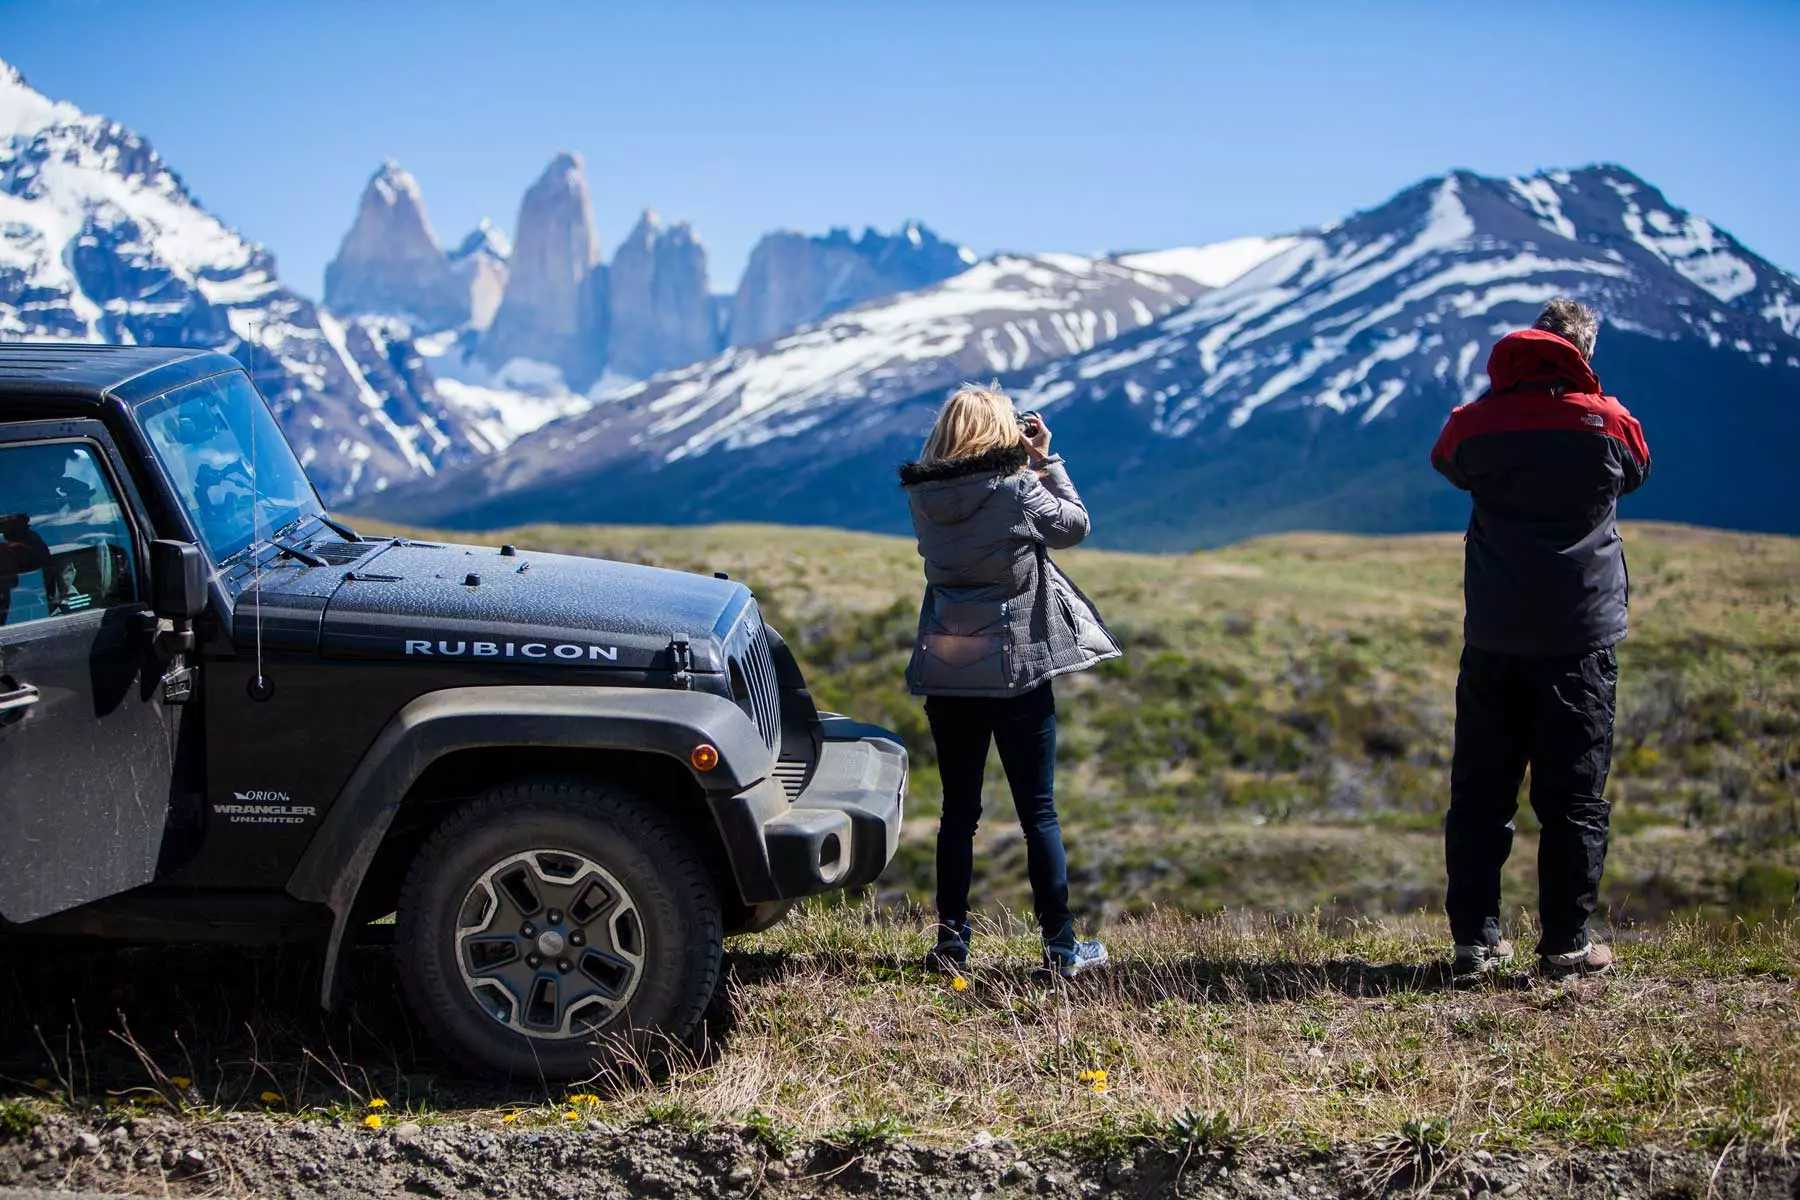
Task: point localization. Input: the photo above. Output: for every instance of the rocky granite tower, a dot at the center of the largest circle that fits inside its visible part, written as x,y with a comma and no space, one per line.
390,261
548,312
661,313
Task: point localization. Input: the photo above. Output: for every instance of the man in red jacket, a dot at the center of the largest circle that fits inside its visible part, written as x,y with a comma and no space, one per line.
1545,456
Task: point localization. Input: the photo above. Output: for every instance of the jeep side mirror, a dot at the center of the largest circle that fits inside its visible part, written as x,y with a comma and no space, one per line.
177,580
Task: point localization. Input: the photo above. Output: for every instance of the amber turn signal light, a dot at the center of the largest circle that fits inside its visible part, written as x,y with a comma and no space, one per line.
705,757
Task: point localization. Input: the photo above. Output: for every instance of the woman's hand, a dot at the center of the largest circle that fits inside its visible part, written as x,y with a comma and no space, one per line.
1036,436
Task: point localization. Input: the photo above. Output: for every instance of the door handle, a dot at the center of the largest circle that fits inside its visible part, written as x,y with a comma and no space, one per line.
21,697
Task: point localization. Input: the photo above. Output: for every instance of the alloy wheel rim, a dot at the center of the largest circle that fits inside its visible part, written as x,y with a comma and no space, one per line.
549,944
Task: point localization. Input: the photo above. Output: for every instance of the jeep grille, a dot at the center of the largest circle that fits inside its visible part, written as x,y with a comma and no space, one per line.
753,677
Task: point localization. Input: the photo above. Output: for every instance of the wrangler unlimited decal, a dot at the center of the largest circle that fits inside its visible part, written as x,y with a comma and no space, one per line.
567,651
265,808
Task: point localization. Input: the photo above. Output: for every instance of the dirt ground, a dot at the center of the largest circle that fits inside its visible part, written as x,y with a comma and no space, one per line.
262,1156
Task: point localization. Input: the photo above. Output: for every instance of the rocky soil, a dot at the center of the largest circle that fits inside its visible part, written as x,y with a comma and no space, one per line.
250,1155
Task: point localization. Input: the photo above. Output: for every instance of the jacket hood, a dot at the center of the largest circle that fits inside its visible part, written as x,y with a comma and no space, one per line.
951,490
1532,356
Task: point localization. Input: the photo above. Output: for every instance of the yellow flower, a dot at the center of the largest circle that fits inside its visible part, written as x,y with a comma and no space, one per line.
584,1098
372,1121
181,1081
378,1103
571,1115
271,1097
1100,1087
959,984
509,1118
1092,1077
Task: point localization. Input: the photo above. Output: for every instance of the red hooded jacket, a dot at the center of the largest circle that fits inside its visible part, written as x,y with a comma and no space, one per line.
1546,456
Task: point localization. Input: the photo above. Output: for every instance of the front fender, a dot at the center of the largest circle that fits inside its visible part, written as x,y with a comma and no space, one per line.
438,723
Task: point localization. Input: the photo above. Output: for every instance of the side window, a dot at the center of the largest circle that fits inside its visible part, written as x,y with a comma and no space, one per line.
65,546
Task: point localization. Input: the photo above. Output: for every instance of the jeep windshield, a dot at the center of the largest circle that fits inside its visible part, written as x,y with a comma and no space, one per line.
229,462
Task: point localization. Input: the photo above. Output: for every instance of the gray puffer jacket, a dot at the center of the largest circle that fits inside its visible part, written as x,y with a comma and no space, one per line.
998,618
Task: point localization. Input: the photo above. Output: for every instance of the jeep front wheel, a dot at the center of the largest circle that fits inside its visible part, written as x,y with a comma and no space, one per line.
549,916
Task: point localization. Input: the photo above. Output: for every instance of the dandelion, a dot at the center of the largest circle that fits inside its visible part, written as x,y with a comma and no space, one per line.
1092,1077
271,1097
1100,1088
509,1118
378,1103
181,1081
959,984
571,1115
373,1121
584,1098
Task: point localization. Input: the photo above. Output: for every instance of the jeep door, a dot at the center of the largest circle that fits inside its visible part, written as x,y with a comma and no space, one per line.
85,743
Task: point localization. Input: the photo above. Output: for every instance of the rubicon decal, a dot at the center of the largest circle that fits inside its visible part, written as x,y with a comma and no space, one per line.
565,651
264,808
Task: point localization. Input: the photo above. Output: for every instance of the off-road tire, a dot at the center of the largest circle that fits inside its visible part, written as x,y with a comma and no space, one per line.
619,830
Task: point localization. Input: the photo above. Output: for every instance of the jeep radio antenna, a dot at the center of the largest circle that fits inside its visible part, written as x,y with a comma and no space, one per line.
260,688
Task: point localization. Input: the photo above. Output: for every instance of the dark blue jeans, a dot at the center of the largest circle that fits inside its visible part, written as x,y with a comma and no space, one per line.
1024,728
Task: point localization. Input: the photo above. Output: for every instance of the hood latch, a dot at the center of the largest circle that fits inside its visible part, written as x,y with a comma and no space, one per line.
681,657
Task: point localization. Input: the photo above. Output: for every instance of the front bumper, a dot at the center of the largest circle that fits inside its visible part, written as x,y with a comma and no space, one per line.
840,831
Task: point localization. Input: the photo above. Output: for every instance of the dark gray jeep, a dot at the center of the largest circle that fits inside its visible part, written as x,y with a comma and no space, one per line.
225,715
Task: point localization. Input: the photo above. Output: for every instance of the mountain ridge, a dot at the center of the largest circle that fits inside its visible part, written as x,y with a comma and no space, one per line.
1301,393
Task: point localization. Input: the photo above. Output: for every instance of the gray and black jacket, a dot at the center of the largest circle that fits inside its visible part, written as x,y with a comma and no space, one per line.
998,617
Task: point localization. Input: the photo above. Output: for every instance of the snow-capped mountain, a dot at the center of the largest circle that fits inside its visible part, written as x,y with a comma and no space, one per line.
1305,392
1302,391
100,241
725,436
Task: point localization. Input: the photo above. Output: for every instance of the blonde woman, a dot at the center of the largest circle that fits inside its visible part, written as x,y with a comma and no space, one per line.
998,622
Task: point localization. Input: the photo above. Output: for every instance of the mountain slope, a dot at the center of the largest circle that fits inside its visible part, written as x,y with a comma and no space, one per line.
101,241
762,432
1305,393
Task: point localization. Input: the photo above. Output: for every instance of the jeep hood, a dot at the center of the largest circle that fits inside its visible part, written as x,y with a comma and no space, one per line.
424,602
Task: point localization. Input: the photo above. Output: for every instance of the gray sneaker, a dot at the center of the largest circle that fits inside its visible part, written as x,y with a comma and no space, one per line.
1071,959
1592,959
1473,962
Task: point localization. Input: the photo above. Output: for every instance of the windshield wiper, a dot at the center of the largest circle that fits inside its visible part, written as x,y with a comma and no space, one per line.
311,560
341,529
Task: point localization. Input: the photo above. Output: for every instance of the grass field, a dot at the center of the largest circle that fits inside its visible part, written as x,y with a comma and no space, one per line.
1277,735
1248,1056
1252,797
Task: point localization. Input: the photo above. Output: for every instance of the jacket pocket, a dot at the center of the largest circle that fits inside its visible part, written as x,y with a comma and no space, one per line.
966,618
961,662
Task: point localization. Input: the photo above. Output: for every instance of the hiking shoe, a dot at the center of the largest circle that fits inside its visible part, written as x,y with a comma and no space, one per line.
1070,959
1591,959
951,954
1473,962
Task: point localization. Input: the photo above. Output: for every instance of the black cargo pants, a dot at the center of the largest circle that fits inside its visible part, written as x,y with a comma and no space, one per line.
1555,714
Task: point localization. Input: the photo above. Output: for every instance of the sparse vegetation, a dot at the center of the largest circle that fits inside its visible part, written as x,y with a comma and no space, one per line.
1277,735
1253,797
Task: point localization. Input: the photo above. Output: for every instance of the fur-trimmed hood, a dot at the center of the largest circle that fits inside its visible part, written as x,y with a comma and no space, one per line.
1007,460
951,491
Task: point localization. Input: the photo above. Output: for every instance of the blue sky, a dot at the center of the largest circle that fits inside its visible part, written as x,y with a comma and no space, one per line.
1039,126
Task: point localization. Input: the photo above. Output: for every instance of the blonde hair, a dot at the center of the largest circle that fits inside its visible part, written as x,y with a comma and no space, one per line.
973,421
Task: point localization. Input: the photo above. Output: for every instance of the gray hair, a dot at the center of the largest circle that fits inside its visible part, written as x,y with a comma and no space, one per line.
1572,321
